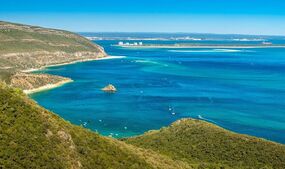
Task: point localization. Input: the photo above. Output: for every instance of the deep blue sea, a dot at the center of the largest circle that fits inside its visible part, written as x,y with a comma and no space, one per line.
242,90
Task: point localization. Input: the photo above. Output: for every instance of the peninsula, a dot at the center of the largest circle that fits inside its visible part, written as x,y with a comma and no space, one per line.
25,48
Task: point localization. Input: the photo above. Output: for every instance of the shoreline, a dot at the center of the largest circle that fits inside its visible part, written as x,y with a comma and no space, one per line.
47,87
63,82
198,47
71,62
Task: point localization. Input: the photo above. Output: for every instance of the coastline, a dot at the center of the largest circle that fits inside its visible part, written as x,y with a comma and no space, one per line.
58,84
72,62
47,87
198,47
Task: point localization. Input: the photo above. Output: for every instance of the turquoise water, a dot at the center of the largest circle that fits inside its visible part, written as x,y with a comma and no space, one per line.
242,90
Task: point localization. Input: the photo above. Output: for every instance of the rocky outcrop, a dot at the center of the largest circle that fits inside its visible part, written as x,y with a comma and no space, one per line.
109,88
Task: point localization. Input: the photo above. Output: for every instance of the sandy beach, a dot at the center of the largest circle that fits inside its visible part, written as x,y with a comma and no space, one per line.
51,86
47,87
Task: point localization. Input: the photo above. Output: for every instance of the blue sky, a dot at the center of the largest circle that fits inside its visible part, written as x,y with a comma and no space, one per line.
196,16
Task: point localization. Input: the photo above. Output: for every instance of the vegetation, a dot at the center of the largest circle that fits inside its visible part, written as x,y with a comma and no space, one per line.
32,137
25,47
25,38
202,143
29,81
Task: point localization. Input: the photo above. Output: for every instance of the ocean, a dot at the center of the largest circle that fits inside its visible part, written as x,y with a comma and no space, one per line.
242,90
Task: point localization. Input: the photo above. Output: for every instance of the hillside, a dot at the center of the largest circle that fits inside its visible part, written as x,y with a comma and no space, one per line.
24,47
32,137
195,141
37,82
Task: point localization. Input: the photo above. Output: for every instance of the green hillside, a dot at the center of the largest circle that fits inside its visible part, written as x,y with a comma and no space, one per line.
195,141
32,137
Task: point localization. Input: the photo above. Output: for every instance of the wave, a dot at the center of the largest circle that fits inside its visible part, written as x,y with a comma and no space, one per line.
112,57
206,51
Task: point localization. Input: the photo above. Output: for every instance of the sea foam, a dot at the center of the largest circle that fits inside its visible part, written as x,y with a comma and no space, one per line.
112,57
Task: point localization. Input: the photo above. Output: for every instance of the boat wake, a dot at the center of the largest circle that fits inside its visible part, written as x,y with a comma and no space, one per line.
205,119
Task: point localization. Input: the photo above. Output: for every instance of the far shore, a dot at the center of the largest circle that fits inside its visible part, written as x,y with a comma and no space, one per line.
47,87
201,46
71,62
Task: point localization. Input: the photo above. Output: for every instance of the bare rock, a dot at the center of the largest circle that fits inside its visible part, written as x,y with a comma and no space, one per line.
109,88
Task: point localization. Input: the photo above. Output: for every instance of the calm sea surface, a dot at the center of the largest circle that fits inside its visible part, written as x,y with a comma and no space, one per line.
242,90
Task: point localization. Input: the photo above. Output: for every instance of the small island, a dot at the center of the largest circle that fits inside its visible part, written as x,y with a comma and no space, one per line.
109,88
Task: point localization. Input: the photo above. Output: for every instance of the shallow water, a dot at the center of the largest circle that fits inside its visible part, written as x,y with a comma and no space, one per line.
239,89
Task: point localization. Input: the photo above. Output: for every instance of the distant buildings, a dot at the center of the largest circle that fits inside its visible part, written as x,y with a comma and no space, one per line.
130,44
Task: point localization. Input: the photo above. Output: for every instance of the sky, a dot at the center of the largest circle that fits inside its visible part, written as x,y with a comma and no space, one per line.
258,17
